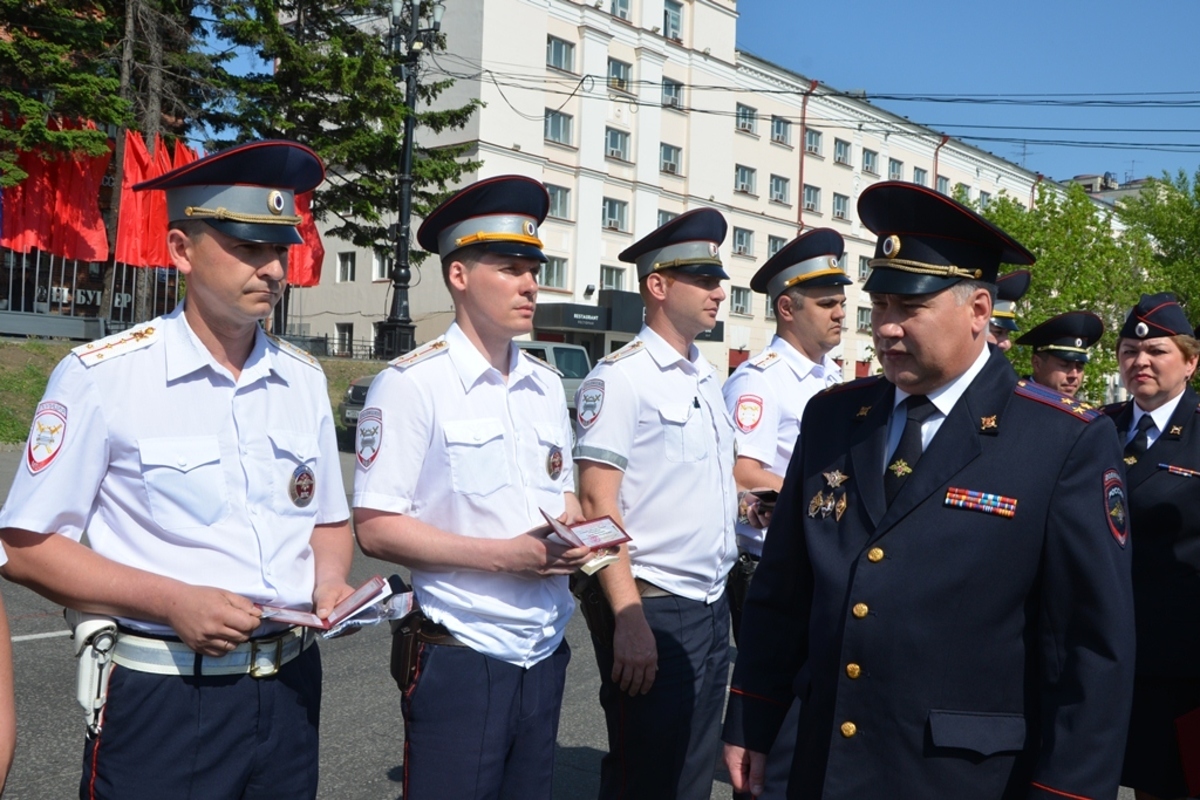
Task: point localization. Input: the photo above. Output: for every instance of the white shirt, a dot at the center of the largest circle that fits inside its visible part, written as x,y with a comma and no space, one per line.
943,399
459,448
660,418
766,396
1160,415
174,467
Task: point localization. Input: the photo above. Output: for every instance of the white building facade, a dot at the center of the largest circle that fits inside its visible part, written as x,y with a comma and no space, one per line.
632,111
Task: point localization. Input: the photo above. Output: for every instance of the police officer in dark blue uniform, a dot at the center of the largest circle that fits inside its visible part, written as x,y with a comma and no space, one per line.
945,583
1010,288
1060,349
1160,428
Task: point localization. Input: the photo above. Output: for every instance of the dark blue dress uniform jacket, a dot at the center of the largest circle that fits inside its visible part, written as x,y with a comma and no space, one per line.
944,652
1165,519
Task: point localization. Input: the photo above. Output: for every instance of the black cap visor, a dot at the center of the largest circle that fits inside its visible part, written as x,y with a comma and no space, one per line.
1005,323
248,232
706,270
893,281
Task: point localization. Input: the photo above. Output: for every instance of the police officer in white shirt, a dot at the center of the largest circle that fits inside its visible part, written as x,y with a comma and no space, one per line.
655,446
199,455
461,446
766,397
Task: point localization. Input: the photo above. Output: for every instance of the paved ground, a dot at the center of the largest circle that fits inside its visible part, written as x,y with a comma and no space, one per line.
361,730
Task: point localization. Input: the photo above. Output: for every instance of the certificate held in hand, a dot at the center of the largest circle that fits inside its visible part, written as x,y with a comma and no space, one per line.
602,536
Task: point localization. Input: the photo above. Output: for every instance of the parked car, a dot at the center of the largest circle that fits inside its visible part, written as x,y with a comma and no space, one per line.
569,359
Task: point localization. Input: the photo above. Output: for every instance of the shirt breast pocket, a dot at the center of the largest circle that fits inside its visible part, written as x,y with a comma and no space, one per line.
184,481
478,457
293,473
683,433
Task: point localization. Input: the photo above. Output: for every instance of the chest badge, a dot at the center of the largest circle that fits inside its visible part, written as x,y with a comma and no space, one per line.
814,505
840,507
835,478
862,412
554,462
303,486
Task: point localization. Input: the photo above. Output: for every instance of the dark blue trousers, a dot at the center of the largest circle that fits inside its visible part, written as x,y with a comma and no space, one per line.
477,728
666,743
225,738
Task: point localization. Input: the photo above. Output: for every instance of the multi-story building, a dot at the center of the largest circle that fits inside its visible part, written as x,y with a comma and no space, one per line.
632,111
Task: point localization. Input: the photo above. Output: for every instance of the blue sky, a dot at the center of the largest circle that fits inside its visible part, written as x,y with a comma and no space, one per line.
1114,51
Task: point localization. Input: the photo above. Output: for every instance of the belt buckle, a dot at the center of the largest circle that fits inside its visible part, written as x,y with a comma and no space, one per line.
265,668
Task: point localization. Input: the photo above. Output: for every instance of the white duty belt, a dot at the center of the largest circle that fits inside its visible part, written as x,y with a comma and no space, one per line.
259,658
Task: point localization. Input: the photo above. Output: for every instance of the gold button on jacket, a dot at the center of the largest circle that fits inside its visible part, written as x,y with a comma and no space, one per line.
853,670
860,610
849,729
875,555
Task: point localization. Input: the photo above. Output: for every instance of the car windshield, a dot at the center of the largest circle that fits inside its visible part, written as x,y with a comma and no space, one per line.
571,363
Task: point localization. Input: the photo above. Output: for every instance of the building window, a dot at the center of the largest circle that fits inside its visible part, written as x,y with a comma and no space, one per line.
864,267
895,170
744,179
739,301
870,161
553,274
560,201
920,176
381,267
560,54
943,185
620,75
345,273
781,131
616,144
673,20
747,118
616,213
841,206
769,308
812,198
558,127
666,216
812,142
985,199
781,189
841,151
343,343
670,158
612,278
963,191
743,242
775,244
672,93
864,320
619,8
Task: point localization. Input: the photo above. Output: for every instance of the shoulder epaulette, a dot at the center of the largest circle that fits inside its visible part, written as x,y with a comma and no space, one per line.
439,345
1112,409
765,359
295,352
859,383
1049,397
541,362
116,345
636,346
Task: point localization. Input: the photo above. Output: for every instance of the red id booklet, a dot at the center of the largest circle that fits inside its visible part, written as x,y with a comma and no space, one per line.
1187,732
601,536
364,597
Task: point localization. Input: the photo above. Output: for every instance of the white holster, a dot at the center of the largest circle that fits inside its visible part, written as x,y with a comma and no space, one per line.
95,637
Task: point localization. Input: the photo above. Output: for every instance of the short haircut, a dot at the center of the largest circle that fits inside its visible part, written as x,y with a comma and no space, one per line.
964,289
1188,345
469,256
191,227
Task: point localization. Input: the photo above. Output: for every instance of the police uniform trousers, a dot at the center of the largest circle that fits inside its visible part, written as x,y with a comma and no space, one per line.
478,728
666,743
229,736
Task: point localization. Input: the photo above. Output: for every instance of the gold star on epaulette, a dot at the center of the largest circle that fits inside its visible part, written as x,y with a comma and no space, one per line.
1066,400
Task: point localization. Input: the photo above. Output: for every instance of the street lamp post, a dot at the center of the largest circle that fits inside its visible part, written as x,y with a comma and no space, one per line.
395,335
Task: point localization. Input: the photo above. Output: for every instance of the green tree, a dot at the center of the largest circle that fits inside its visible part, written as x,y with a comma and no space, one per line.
335,86
57,61
1167,211
1083,264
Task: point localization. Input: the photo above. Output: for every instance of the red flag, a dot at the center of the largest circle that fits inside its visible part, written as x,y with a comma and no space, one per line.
304,260
183,154
78,228
154,232
131,221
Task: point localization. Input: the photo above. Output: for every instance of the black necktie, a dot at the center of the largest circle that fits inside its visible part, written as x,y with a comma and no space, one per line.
908,452
1140,442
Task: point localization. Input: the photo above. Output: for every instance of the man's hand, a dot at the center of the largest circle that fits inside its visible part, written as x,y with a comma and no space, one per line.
533,553
747,769
635,652
212,621
328,595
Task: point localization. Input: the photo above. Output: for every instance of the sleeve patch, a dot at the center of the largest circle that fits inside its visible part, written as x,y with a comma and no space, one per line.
46,435
749,412
1115,508
591,400
368,436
